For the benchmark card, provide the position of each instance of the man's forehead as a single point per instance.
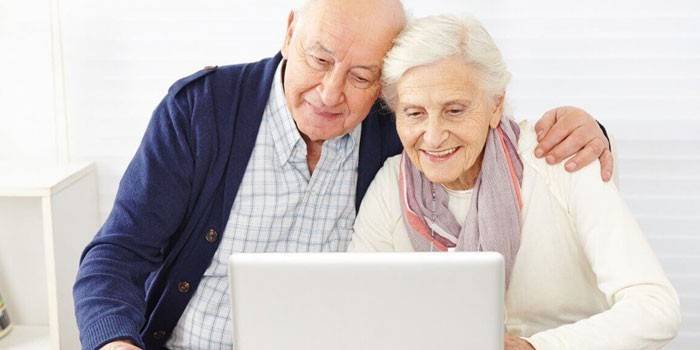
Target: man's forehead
(354, 49)
(335, 23)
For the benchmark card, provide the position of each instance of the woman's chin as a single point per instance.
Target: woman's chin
(437, 177)
(440, 171)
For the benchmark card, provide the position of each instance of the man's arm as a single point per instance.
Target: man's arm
(569, 131)
(109, 292)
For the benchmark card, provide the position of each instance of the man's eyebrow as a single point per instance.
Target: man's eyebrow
(406, 106)
(318, 46)
(372, 68)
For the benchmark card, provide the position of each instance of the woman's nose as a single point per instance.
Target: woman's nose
(435, 133)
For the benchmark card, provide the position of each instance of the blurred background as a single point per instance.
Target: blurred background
(80, 78)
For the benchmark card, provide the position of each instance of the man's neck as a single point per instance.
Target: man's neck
(313, 153)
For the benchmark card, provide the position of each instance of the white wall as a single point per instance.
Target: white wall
(635, 65)
(26, 92)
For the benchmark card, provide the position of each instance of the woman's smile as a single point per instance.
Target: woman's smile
(440, 155)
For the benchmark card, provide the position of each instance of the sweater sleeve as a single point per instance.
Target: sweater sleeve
(643, 306)
(378, 215)
(150, 204)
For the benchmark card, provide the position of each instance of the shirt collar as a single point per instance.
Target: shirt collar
(284, 131)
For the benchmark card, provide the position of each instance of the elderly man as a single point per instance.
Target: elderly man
(268, 156)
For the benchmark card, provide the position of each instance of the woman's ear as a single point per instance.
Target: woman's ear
(497, 111)
(288, 35)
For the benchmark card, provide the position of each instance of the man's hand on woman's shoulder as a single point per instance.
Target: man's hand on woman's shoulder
(566, 131)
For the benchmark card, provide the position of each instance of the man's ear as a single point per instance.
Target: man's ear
(291, 22)
(497, 111)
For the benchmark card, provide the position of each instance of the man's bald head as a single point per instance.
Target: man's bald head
(389, 13)
(334, 51)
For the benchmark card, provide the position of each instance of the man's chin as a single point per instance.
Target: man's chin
(314, 130)
(315, 134)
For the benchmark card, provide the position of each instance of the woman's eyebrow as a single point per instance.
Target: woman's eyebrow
(457, 101)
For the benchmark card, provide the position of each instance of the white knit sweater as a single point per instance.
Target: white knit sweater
(584, 277)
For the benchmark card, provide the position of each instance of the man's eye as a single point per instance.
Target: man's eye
(454, 111)
(320, 60)
(414, 114)
(360, 79)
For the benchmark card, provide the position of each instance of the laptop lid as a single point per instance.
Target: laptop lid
(366, 301)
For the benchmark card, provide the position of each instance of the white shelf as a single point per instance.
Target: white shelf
(48, 214)
(26, 338)
(22, 180)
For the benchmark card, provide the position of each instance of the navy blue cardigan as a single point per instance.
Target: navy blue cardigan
(144, 264)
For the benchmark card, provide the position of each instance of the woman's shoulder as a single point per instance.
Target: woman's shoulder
(391, 167)
(380, 210)
(553, 176)
(385, 185)
(386, 182)
(527, 143)
(526, 149)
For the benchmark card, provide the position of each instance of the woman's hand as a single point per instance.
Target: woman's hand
(566, 131)
(120, 345)
(516, 343)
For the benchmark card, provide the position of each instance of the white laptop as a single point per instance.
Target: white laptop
(367, 301)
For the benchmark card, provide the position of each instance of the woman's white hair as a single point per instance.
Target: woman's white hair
(431, 39)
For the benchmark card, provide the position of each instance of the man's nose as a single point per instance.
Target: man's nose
(332, 88)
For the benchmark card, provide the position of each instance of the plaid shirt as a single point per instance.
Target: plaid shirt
(280, 207)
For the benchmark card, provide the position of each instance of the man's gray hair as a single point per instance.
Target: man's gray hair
(431, 39)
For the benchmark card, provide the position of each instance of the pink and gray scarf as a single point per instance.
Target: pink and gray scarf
(493, 221)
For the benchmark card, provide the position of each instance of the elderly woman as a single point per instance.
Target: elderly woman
(579, 272)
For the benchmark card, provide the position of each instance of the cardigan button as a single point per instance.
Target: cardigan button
(183, 287)
(211, 235)
(159, 335)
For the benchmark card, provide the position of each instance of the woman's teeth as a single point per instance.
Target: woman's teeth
(441, 153)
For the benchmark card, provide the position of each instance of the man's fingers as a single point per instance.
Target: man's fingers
(126, 347)
(515, 343)
(120, 345)
(606, 165)
(509, 343)
(585, 156)
(568, 147)
(545, 123)
(554, 137)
